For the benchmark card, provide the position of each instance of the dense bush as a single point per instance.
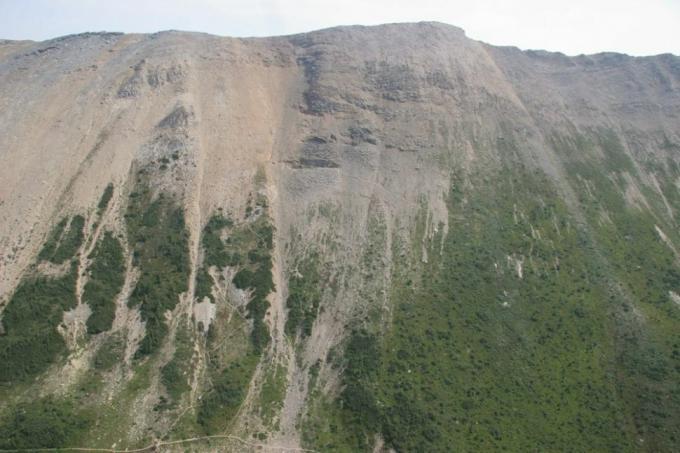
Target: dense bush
(244, 279)
(204, 283)
(159, 237)
(482, 359)
(45, 423)
(105, 199)
(221, 403)
(479, 358)
(644, 270)
(304, 297)
(31, 342)
(175, 374)
(358, 396)
(107, 275)
(215, 252)
(110, 353)
(52, 241)
(62, 244)
(253, 243)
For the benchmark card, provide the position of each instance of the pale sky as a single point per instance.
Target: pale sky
(635, 27)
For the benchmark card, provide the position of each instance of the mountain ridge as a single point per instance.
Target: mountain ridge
(434, 24)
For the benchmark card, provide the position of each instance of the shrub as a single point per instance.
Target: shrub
(304, 297)
(204, 284)
(252, 245)
(52, 242)
(45, 423)
(221, 403)
(105, 199)
(363, 361)
(31, 342)
(107, 275)
(174, 375)
(71, 241)
(62, 244)
(109, 353)
(215, 253)
(160, 242)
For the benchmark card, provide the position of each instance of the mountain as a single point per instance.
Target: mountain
(389, 238)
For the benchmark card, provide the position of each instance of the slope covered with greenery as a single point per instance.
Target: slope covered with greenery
(516, 335)
(107, 275)
(63, 242)
(44, 423)
(31, 342)
(237, 341)
(158, 235)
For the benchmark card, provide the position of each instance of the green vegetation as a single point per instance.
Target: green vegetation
(273, 392)
(648, 357)
(347, 424)
(44, 423)
(62, 244)
(107, 275)
(159, 238)
(111, 421)
(221, 403)
(110, 353)
(204, 284)
(526, 329)
(360, 379)
(233, 363)
(105, 199)
(215, 254)
(31, 342)
(175, 374)
(478, 358)
(304, 296)
(248, 246)
(256, 274)
(52, 242)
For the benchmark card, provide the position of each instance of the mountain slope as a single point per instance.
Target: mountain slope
(361, 238)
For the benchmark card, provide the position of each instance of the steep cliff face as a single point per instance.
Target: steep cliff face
(361, 238)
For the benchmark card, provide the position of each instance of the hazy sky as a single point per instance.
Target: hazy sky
(637, 27)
